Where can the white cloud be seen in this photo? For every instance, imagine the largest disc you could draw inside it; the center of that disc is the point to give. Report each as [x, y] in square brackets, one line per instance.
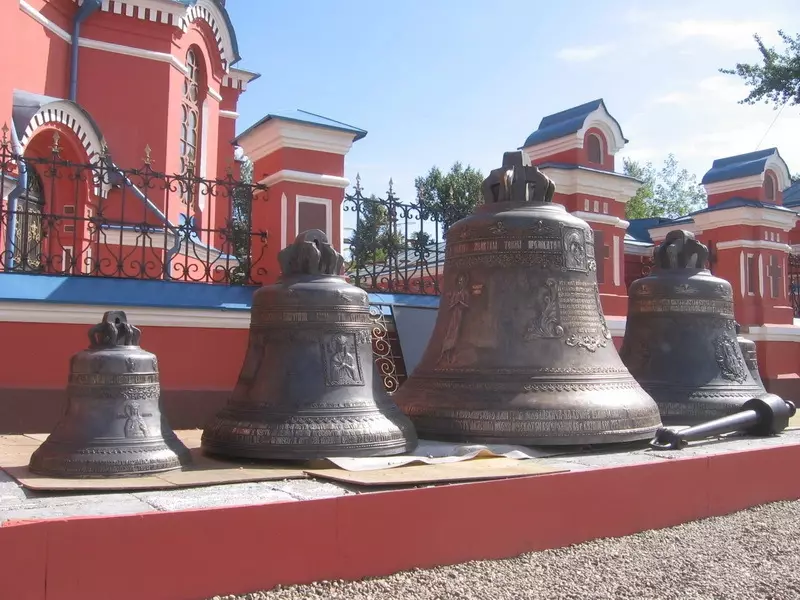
[583, 53]
[673, 98]
[731, 35]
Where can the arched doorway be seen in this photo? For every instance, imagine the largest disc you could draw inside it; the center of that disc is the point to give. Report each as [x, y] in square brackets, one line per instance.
[29, 233]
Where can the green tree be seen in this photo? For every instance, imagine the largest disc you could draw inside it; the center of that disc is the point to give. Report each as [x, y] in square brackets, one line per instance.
[777, 79]
[373, 241]
[671, 192]
[449, 197]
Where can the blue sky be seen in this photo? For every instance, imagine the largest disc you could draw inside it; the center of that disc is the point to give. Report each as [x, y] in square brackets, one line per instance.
[436, 81]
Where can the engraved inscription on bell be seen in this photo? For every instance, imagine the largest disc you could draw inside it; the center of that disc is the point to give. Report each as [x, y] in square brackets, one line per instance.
[521, 352]
[680, 340]
[308, 388]
[113, 424]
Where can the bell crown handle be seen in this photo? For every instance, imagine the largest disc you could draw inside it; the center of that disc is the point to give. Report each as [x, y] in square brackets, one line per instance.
[517, 181]
[680, 250]
[114, 330]
[310, 254]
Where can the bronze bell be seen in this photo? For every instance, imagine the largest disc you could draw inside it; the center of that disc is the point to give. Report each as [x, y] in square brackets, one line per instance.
[520, 352]
[308, 388]
[680, 339]
[113, 424]
[748, 348]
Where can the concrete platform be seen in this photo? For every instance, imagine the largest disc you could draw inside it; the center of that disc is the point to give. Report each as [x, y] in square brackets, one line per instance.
[195, 543]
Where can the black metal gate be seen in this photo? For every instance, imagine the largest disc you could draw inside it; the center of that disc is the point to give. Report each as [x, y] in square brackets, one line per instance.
[794, 282]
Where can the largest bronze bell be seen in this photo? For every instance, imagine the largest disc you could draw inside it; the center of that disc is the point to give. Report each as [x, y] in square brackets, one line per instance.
[307, 388]
[520, 352]
[113, 424]
[680, 340]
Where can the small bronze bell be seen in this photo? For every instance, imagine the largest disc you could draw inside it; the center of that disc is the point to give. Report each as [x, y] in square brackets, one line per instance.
[748, 348]
[680, 339]
[520, 352]
[113, 424]
[308, 388]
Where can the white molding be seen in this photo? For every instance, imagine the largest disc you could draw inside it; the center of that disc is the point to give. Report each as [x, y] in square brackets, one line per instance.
[638, 249]
[616, 325]
[734, 185]
[761, 275]
[773, 333]
[303, 177]
[65, 113]
[747, 215]
[203, 148]
[228, 114]
[551, 147]
[601, 119]
[238, 79]
[615, 258]
[607, 185]
[98, 45]
[214, 94]
[326, 202]
[742, 272]
[758, 244]
[211, 14]
[284, 220]
[591, 217]
[277, 133]
[86, 314]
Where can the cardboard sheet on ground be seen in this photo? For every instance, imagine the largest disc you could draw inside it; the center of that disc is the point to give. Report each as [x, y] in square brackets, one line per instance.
[452, 472]
[436, 453]
[16, 450]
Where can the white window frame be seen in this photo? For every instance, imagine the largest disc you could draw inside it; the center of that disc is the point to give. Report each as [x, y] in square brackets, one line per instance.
[326, 202]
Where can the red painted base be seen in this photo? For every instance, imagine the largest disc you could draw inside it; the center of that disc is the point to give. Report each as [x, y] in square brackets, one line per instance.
[197, 554]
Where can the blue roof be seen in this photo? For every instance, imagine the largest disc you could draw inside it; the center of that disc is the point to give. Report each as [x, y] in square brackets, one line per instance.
[306, 118]
[735, 167]
[639, 229]
[737, 202]
[563, 123]
[791, 195]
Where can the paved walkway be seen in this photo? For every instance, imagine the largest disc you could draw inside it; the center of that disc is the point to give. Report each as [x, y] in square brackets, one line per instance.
[752, 555]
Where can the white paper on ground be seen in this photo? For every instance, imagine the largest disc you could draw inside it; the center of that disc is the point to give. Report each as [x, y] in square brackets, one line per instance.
[432, 453]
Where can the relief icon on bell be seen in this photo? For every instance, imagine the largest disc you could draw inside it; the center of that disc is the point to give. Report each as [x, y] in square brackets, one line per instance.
[113, 425]
[308, 387]
[521, 352]
[681, 338]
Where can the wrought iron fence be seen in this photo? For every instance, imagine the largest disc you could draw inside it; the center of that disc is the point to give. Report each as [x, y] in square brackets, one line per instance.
[395, 247]
[97, 219]
[793, 275]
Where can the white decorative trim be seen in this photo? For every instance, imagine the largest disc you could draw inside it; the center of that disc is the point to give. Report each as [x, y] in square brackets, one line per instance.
[615, 258]
[551, 147]
[98, 45]
[214, 94]
[326, 202]
[761, 275]
[238, 79]
[303, 177]
[83, 314]
[203, 148]
[758, 244]
[593, 183]
[601, 218]
[277, 133]
[284, 220]
[746, 215]
[68, 114]
[616, 326]
[599, 119]
[742, 272]
[774, 333]
[209, 12]
[773, 163]
[229, 114]
[638, 249]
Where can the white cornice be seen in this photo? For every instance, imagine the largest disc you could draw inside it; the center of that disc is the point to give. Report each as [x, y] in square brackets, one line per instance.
[757, 244]
[601, 218]
[98, 45]
[304, 177]
[734, 185]
[229, 114]
[83, 314]
[659, 233]
[638, 249]
[616, 325]
[746, 215]
[773, 333]
[592, 183]
[551, 147]
[214, 94]
[238, 79]
[276, 134]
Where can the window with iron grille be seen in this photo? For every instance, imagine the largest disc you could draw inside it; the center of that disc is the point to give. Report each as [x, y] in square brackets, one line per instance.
[190, 120]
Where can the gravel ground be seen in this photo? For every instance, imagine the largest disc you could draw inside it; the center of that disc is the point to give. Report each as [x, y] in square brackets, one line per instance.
[754, 554]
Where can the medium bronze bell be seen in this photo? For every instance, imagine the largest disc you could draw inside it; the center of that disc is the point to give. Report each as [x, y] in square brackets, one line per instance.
[748, 348]
[680, 339]
[113, 424]
[520, 352]
[308, 388]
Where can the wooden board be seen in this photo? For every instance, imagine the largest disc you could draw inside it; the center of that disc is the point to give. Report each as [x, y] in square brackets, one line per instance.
[469, 470]
[16, 450]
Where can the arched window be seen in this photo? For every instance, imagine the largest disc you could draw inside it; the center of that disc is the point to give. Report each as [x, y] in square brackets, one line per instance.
[190, 117]
[594, 149]
[769, 187]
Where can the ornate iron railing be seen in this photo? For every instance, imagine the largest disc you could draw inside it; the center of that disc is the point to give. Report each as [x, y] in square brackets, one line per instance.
[793, 276]
[394, 247]
[60, 217]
